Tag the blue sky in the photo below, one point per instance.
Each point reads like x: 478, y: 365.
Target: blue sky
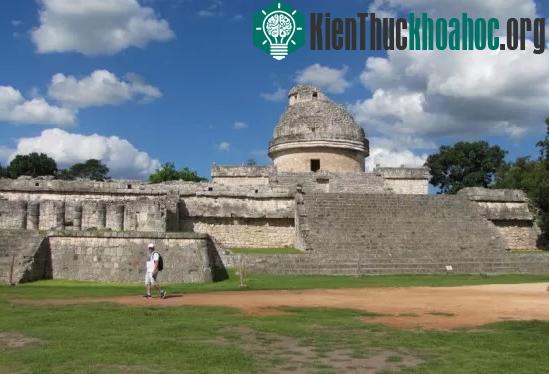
x: 177, y: 86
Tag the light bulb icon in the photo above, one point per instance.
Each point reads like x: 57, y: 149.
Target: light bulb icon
x: 279, y: 30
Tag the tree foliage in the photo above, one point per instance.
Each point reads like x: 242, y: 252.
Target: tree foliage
x: 33, y: 164
x: 465, y: 164
x: 531, y: 176
x: 91, y: 169
x: 168, y: 172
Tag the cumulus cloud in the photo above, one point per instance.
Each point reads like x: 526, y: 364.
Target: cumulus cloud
x: 94, y: 27
x: 329, y: 79
x: 100, y: 88
x: 277, y: 96
x: 238, y: 125
x: 16, y: 109
x: 431, y: 94
x: 224, y: 147
x: 386, y: 152
x: 438, y: 93
x: 121, y: 157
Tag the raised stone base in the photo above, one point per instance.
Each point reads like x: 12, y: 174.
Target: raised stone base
x: 109, y: 256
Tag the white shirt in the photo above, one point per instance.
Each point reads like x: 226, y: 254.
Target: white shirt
x: 150, y: 262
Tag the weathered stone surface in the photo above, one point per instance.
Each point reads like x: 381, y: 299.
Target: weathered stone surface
x: 509, y: 211
x: 105, y: 256
x: 120, y: 257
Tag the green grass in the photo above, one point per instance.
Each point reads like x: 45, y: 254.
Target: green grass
x: 60, y: 288
x: 97, y: 338
x: 266, y: 251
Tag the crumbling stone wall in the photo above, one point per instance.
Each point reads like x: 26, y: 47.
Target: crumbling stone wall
x: 405, y: 181
x: 241, y: 175
x: 254, y: 219
x: 13, y: 214
x: 509, y: 211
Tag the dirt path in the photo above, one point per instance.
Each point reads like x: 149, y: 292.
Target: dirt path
x: 410, y: 307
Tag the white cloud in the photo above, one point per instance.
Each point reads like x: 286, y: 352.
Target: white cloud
x: 94, y: 27
x: 100, y: 88
x: 14, y: 108
x: 5, y: 153
x: 438, y: 93
x: 432, y: 94
x: 238, y: 125
x: 214, y: 9
x: 329, y: 79
x: 224, y: 147
x: 277, y: 96
x: 385, y: 152
x: 120, y: 156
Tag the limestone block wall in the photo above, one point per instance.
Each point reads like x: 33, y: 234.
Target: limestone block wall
x: 509, y: 211
x: 13, y: 214
x: 258, y: 218
x: 245, y: 232
x: 519, y: 234
x: 120, y: 257
x: 241, y: 175
x: 404, y: 180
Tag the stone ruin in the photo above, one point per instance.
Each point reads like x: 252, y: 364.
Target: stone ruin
x: 316, y: 197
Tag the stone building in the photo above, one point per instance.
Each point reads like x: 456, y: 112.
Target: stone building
x: 315, y: 196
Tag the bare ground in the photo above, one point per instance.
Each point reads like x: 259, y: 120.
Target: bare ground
x: 439, y: 308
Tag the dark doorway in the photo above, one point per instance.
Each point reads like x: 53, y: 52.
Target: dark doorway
x: 315, y: 165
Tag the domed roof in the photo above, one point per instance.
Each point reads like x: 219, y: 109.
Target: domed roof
x: 313, y: 120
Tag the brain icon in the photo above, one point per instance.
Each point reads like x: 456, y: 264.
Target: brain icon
x: 279, y: 26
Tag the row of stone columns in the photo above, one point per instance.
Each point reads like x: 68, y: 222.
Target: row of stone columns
x: 111, y: 216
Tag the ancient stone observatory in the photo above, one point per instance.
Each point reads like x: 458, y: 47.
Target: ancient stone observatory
x: 317, y: 134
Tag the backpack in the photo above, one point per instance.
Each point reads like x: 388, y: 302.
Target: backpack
x: 160, y: 261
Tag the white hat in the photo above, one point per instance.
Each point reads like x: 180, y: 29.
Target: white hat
x: 151, y: 245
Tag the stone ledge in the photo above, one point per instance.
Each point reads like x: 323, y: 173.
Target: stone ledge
x: 128, y: 234
x: 490, y: 195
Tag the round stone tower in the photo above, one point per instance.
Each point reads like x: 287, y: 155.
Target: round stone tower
x: 317, y: 134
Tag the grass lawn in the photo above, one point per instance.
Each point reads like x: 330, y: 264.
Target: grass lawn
x: 266, y: 251
x: 106, y: 338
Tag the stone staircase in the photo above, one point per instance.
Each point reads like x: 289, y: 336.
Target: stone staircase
x: 362, y: 234
x: 30, y: 249
x: 385, y: 226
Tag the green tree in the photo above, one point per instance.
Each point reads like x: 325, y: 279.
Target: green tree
x: 33, y: 165
x: 189, y: 175
x: 168, y: 172
x: 465, y: 164
x: 531, y: 176
x: 91, y: 169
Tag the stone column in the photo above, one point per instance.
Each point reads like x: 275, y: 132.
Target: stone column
x: 59, y: 214
x: 33, y: 216
x: 101, y: 215
x: 118, y: 217
x: 22, y: 212
x: 77, y: 217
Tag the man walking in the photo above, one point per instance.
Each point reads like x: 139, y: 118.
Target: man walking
x: 151, y: 272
